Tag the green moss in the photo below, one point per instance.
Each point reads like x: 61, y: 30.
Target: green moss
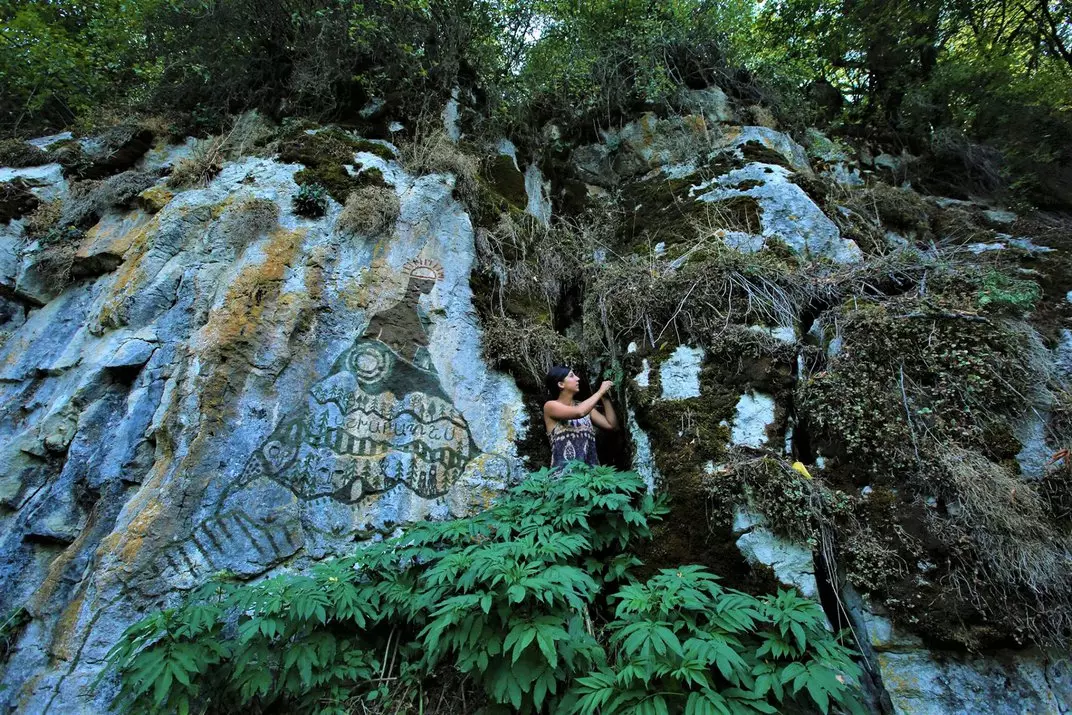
x: 659, y: 210
x: 372, y: 147
x: 69, y: 154
x: 325, y: 155
x: 686, y: 434
x: 506, y: 181
x: 18, y: 154
x: 901, y: 208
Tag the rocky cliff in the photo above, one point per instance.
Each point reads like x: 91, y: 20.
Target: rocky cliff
x: 195, y: 378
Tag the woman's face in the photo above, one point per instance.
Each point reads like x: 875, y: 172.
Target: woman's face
x: 571, y: 382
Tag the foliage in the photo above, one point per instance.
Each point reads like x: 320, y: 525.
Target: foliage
x: 946, y: 78
x: 58, y: 60
x: 311, y: 200
x: 505, y: 597
x: 1001, y: 291
x: 682, y: 643
x: 596, y: 62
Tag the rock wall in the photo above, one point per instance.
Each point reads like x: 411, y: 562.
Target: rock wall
x: 227, y: 386
x: 715, y: 401
x: 215, y: 383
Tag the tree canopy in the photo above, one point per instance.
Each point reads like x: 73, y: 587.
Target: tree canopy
x: 935, y: 76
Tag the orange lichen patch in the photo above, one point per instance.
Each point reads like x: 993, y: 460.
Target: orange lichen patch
x: 39, y: 600
x: 696, y: 123
x: 130, y: 274
x: 16, y: 351
x: 243, y: 323
x: 730, y: 134
x: 368, y: 289
x: 127, y: 543
x: 112, y: 237
x: 135, y: 532
x: 67, y: 626
x: 314, y: 273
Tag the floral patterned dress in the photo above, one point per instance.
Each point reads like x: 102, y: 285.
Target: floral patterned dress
x: 573, y: 440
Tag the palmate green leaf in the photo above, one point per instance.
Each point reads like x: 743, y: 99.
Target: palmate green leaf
x: 507, y: 609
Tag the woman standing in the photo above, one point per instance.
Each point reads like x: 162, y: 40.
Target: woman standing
x: 570, y: 425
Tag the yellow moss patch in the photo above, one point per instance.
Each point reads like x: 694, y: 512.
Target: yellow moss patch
x: 127, y: 277
x: 238, y: 328
x: 135, y: 532
x: 62, y: 647
x: 114, y: 238
x: 155, y: 198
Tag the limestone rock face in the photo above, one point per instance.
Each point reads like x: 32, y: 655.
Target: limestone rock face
x: 920, y: 680
x: 229, y: 386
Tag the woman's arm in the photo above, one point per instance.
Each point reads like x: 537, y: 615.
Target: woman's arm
x: 607, y: 420
x: 558, y: 411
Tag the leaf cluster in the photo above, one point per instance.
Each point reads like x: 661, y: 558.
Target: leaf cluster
x: 505, y: 598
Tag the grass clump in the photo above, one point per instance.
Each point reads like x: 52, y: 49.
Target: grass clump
x: 696, y: 296
x: 201, y: 166
x: 526, y: 349
x: 431, y: 151
x: 369, y: 211
x: 534, y: 600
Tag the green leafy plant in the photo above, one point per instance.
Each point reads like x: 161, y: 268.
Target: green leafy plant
x: 682, y: 643
x: 1000, y: 291
x: 311, y: 201
x: 507, y: 598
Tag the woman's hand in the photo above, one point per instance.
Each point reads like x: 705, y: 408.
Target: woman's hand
x: 605, y: 387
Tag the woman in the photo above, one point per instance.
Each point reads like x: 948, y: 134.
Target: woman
x: 568, y: 424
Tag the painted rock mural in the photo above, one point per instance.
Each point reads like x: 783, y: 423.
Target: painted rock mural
x: 200, y: 380
x: 229, y: 386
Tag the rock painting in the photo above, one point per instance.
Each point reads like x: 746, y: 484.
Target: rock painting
x: 378, y: 421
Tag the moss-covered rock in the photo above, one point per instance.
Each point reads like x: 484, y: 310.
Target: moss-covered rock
x: 154, y: 198
x: 326, y: 154
x: 16, y: 200
x: 18, y: 154
x: 506, y: 180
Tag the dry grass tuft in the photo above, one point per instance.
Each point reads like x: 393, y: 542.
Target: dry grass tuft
x: 526, y: 348
x: 1014, y: 565
x: 249, y: 131
x: 44, y: 218
x: 205, y: 161
x: 431, y: 151
x: 369, y: 211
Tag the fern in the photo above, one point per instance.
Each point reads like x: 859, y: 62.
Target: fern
x: 504, y: 598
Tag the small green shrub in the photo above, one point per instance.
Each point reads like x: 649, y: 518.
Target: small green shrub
x: 682, y: 643
x: 506, y: 598
x: 311, y: 201
x: 999, y: 291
